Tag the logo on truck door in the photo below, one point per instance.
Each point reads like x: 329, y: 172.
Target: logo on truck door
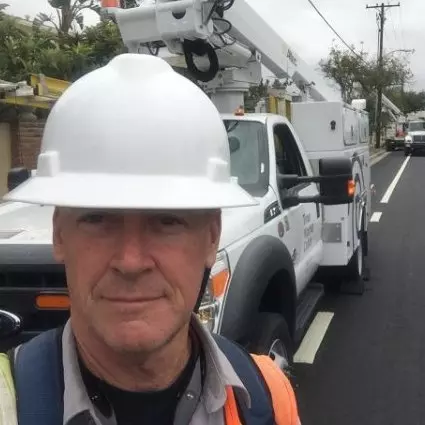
x: 308, y: 231
x: 280, y: 229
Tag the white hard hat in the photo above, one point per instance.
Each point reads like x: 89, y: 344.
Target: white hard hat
x: 134, y: 134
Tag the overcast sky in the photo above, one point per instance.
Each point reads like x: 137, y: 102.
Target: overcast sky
x: 304, y: 30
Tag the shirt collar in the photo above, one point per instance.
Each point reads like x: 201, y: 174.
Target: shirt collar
x: 219, y: 374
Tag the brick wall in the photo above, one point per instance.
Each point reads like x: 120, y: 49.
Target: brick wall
x: 26, y: 141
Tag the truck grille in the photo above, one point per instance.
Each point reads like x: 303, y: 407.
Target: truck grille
x: 39, y: 280
x: 419, y: 138
x: 18, y: 292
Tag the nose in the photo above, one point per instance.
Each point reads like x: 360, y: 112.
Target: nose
x: 132, y: 254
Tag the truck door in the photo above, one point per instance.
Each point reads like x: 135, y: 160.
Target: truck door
x: 306, y: 218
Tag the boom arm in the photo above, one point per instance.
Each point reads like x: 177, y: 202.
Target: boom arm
x: 214, y: 36
x: 276, y: 55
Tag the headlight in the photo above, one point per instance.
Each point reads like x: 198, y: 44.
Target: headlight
x: 215, y: 290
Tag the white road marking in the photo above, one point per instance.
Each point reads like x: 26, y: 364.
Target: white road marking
x: 393, y: 184
x: 313, y: 338
x: 376, y: 216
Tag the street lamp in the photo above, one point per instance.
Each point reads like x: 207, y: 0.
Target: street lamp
x: 400, y: 50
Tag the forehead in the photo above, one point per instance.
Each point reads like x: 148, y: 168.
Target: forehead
x: 77, y: 212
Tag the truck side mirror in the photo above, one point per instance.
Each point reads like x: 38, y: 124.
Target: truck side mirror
x: 336, y: 181
x: 234, y: 144
x: 17, y: 176
x: 10, y: 324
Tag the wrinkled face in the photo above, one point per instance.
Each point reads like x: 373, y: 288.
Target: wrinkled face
x: 134, y: 277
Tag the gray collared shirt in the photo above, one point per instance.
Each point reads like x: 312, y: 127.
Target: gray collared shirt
x: 219, y: 373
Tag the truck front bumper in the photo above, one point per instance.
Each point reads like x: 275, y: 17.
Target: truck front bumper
x: 392, y: 144
x: 414, y: 147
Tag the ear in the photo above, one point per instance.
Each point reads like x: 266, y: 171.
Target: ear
x: 57, y: 236
x: 214, y: 233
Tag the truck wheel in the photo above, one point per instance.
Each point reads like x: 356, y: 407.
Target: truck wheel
x: 353, y: 282
x: 272, y: 338
x: 365, y: 243
x: 356, y: 266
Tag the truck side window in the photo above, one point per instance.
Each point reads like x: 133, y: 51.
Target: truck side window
x: 288, y: 156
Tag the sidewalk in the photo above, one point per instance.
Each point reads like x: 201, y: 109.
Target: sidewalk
x: 375, y: 152
x: 377, y: 155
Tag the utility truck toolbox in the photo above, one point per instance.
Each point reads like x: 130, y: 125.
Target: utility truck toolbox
x: 334, y: 129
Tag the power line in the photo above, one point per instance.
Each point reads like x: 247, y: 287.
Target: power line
x: 334, y: 30
x: 393, y: 24
x: 340, y: 37
x: 402, y: 28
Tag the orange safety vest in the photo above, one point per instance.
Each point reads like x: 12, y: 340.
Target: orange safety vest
x: 283, y: 397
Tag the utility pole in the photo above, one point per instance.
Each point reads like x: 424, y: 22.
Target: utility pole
x: 381, y: 15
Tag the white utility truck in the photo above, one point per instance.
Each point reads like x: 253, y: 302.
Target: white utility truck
x: 415, y: 138
x: 311, y: 178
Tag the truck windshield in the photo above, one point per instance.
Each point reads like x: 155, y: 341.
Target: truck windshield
x: 417, y: 126
x: 248, y: 154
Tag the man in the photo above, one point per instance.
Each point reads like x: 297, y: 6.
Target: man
x: 136, y: 160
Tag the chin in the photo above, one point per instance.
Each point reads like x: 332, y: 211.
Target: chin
x: 136, y: 336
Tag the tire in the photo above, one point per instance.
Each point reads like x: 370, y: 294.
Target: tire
x: 365, y: 243
x: 355, y: 267
x: 354, y: 276
x: 271, y: 337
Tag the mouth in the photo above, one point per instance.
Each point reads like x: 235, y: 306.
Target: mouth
x: 131, y: 300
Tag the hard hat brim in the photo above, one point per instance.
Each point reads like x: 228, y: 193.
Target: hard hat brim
x: 101, y: 191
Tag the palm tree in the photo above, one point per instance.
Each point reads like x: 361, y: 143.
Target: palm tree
x: 68, y: 13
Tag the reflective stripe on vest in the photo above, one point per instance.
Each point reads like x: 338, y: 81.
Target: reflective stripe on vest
x: 7, y: 393
x: 283, y: 397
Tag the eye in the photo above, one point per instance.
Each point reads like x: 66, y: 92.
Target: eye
x: 170, y: 220
x: 92, y: 218
x: 168, y: 223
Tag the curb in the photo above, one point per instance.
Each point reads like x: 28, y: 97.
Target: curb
x: 378, y: 156
x: 376, y: 152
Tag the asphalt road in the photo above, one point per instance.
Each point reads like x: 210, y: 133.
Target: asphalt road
x: 370, y: 367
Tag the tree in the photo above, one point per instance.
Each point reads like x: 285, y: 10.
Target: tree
x: 255, y: 94
x: 360, y: 76
x: 105, y: 42
x: 409, y: 101
x: 18, y: 50
x: 36, y: 49
x: 347, y: 69
x: 344, y: 69
x: 68, y: 13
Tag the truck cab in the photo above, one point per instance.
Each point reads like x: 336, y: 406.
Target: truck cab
x: 415, y: 138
